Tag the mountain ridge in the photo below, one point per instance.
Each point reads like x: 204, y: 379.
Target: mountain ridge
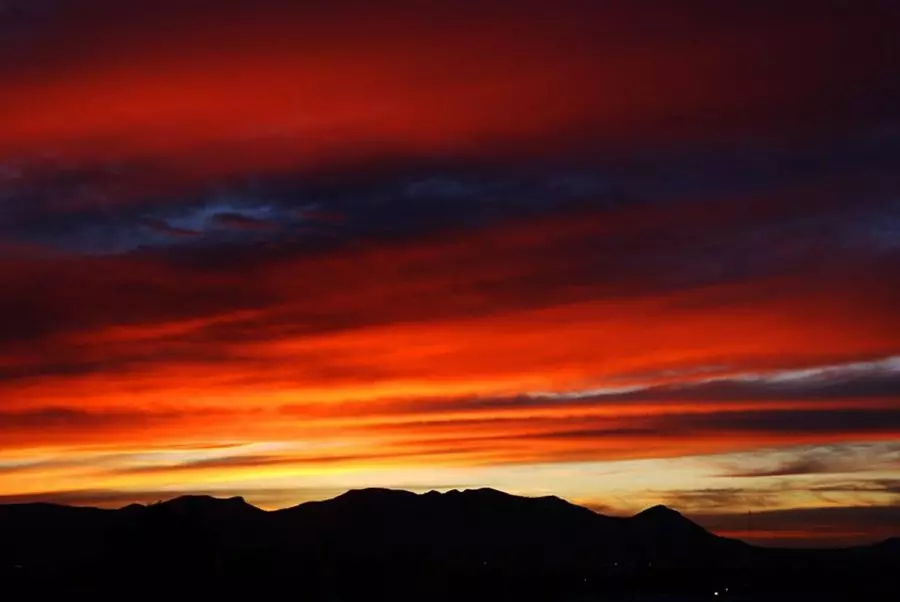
x: 197, y: 499
x: 396, y: 541
x: 658, y: 515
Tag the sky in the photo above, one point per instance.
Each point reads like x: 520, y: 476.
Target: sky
x: 626, y: 253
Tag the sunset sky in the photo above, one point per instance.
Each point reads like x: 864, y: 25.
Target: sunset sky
x: 626, y: 253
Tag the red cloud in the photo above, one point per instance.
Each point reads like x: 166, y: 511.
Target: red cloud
x: 370, y: 334
x: 227, y: 88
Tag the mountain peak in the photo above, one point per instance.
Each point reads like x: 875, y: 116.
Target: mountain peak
x: 660, y: 512
x: 200, y: 499
x: 488, y: 492
x: 662, y: 519
x: 205, y: 503
x: 374, y: 494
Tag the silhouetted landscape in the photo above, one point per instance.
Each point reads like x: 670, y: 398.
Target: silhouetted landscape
x: 378, y: 544
x: 628, y: 252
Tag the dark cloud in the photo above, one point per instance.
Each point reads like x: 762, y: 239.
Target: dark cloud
x: 239, y: 221
x: 105, y: 208
x: 847, y: 147
x: 820, y: 460
x: 790, y: 421
x: 575, y: 437
x: 54, y: 297
x: 802, y: 527
x: 49, y: 370
x: 582, y: 432
x: 65, y: 418
x: 772, y: 493
x: 592, y: 254
x: 51, y: 424
x: 763, y: 386
x: 790, y: 468
x: 808, y: 421
x: 872, y: 485
x: 19, y: 19
x: 163, y: 227
x: 806, y: 58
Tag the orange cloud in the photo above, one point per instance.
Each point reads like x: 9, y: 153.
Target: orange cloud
x: 377, y: 339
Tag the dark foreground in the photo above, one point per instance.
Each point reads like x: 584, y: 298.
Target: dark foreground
x: 394, y: 545
x: 364, y: 585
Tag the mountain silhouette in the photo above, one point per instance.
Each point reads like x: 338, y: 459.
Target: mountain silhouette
x: 399, y: 544
x: 668, y: 527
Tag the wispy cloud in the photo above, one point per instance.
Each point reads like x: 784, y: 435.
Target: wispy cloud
x: 163, y: 227
x: 818, y: 460
x: 239, y: 221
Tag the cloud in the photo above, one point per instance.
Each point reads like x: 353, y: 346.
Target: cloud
x: 60, y: 417
x: 633, y: 80
x: 802, y: 527
x: 104, y: 209
x: 876, y: 485
x: 61, y: 426
x: 235, y: 463
x: 239, y: 221
x: 823, y: 422
x: 556, y: 436
x: 567, y: 259
x: 42, y: 466
x: 861, y: 488
x: 22, y: 18
x: 165, y: 228
x: 790, y: 468
x: 820, y: 460
x: 571, y: 437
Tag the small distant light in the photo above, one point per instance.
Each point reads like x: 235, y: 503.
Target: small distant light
x: 715, y: 593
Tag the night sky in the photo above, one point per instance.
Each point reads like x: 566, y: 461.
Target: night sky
x: 626, y: 253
